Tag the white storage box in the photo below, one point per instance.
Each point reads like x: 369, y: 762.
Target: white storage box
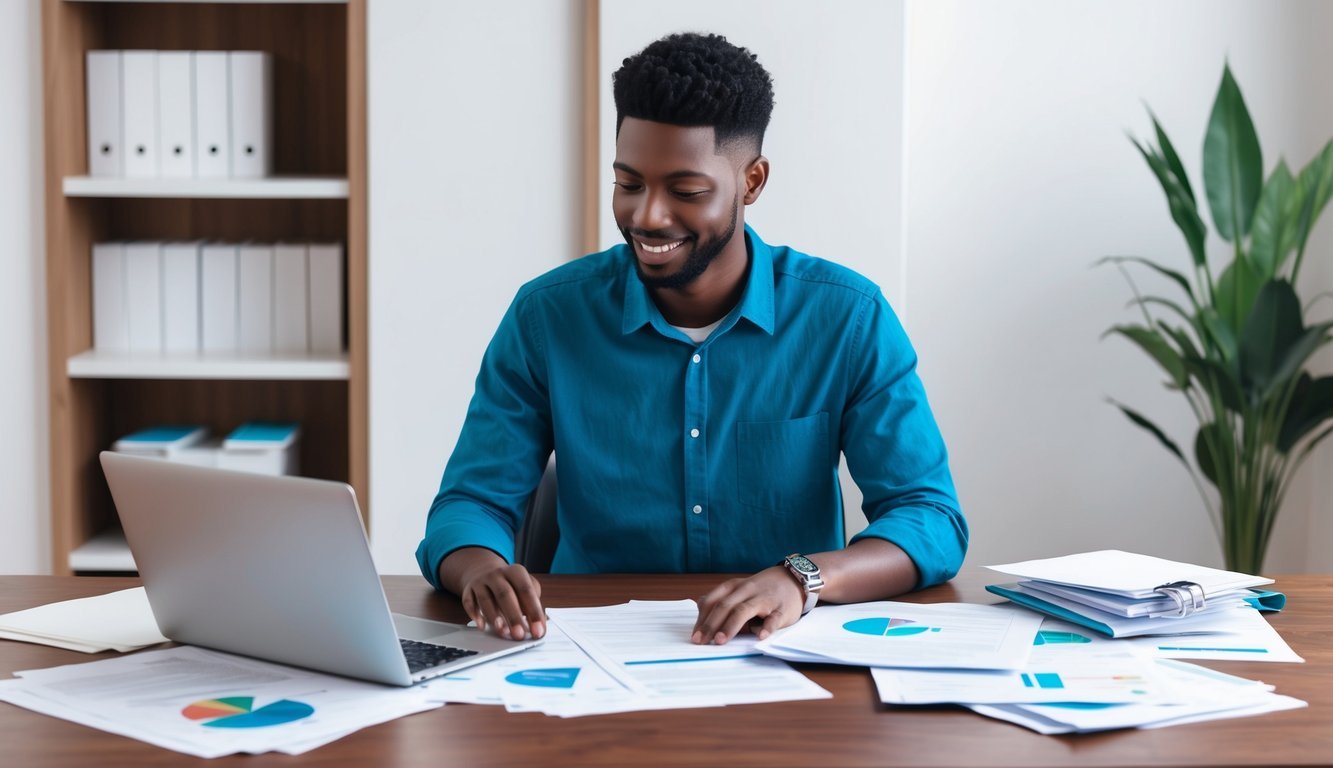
x: 263, y: 447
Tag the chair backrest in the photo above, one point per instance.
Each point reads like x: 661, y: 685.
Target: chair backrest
x: 534, y: 546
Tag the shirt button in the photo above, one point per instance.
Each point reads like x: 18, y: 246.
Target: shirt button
x: 694, y: 433
x: 696, y: 359
x: 697, y: 509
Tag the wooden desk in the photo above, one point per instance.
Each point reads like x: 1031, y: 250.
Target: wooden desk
x: 850, y: 729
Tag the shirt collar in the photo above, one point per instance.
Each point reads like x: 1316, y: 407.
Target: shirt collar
x: 756, y: 302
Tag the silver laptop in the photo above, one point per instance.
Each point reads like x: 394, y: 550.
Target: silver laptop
x: 277, y: 568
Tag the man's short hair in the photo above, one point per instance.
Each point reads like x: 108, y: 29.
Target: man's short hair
x: 697, y: 80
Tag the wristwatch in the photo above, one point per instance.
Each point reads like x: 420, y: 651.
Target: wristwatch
x: 807, y: 575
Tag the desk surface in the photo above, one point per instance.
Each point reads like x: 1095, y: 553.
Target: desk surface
x: 850, y: 729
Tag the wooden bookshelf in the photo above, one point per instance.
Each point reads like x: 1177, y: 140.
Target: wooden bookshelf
x: 318, y: 194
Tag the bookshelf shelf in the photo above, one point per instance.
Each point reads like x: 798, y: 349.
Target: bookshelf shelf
x: 106, y: 551
x: 101, y: 365
x: 286, y: 188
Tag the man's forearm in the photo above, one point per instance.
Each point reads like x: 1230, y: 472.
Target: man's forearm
x: 869, y: 569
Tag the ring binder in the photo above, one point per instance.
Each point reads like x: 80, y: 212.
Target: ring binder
x: 1123, y: 594
x: 1187, y: 595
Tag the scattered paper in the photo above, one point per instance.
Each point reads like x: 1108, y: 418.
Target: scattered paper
x: 208, y: 704
x: 118, y: 621
x: 1102, y: 677
x: 553, y: 677
x: 645, y: 645
x: 890, y: 634
x: 1240, y: 635
x: 1216, y: 696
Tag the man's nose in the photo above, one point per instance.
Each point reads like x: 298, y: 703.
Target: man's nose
x: 652, y: 213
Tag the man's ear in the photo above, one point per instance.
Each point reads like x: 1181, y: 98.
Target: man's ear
x: 754, y: 177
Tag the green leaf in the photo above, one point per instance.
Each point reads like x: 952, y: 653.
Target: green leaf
x: 1171, y: 305
x: 1171, y: 158
x: 1152, y: 428
x: 1214, y: 449
x: 1291, y: 361
x: 1220, y: 333
x: 1184, y: 211
x: 1316, y: 186
x: 1232, y: 162
x: 1311, y: 406
x: 1175, y: 276
x: 1234, y: 295
x: 1188, y: 351
x: 1156, y: 346
x: 1272, y: 328
x: 1220, y: 379
x: 1275, y: 222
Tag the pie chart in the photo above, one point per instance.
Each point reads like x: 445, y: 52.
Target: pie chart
x: 239, y: 712
x: 884, y: 626
x: 562, y: 677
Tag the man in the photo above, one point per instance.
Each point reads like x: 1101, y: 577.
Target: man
x: 698, y: 386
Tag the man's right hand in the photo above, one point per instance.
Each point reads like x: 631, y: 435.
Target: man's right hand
x: 495, y: 594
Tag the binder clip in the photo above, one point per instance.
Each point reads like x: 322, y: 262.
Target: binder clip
x: 1187, y: 596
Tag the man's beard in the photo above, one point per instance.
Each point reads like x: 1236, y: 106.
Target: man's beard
x: 697, y: 262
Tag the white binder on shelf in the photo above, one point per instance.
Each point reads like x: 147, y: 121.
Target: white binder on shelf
x: 326, y: 298
x: 180, y: 298
x: 256, y: 299
x: 251, y: 114
x: 139, y: 112
x: 111, y: 323
x: 212, y: 115
x: 217, y: 299
x: 102, y: 85
x: 175, y: 113
x: 143, y: 296
x: 290, y: 300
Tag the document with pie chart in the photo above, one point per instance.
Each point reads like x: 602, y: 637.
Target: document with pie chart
x: 893, y: 634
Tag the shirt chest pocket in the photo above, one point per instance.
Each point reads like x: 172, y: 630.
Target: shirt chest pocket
x: 784, y: 465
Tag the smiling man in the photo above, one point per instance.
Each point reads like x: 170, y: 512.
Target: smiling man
x: 698, y: 386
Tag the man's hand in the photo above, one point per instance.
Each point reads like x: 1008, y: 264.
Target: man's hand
x: 770, y: 598
x: 496, y: 594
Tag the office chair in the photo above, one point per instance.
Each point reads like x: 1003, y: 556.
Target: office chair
x: 534, y: 545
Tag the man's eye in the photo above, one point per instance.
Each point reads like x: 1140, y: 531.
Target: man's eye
x: 688, y: 193
x: 626, y: 186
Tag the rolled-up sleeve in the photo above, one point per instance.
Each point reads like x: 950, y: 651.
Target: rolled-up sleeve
x: 501, y: 451
x: 895, y: 452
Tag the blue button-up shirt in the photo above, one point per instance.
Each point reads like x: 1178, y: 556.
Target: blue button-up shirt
x: 720, y: 456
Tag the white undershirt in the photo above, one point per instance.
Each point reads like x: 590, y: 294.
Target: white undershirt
x: 697, y: 335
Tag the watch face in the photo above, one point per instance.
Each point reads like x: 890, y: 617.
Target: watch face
x: 803, y: 564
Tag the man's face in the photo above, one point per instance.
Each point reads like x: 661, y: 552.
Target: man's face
x: 676, y: 199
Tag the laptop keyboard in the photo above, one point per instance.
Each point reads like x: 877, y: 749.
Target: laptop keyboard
x: 426, y: 655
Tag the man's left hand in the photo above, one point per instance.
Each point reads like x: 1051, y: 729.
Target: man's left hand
x: 765, y: 602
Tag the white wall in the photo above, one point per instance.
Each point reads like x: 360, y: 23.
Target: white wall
x: 475, y: 183
x: 1020, y: 177
x: 24, y: 513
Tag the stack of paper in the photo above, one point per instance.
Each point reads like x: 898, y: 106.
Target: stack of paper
x: 1077, y: 681
x: 209, y: 704
x: 119, y: 621
x: 623, y: 658
x: 1122, y: 594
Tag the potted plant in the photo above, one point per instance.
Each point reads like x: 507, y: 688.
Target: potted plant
x: 1235, y: 338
